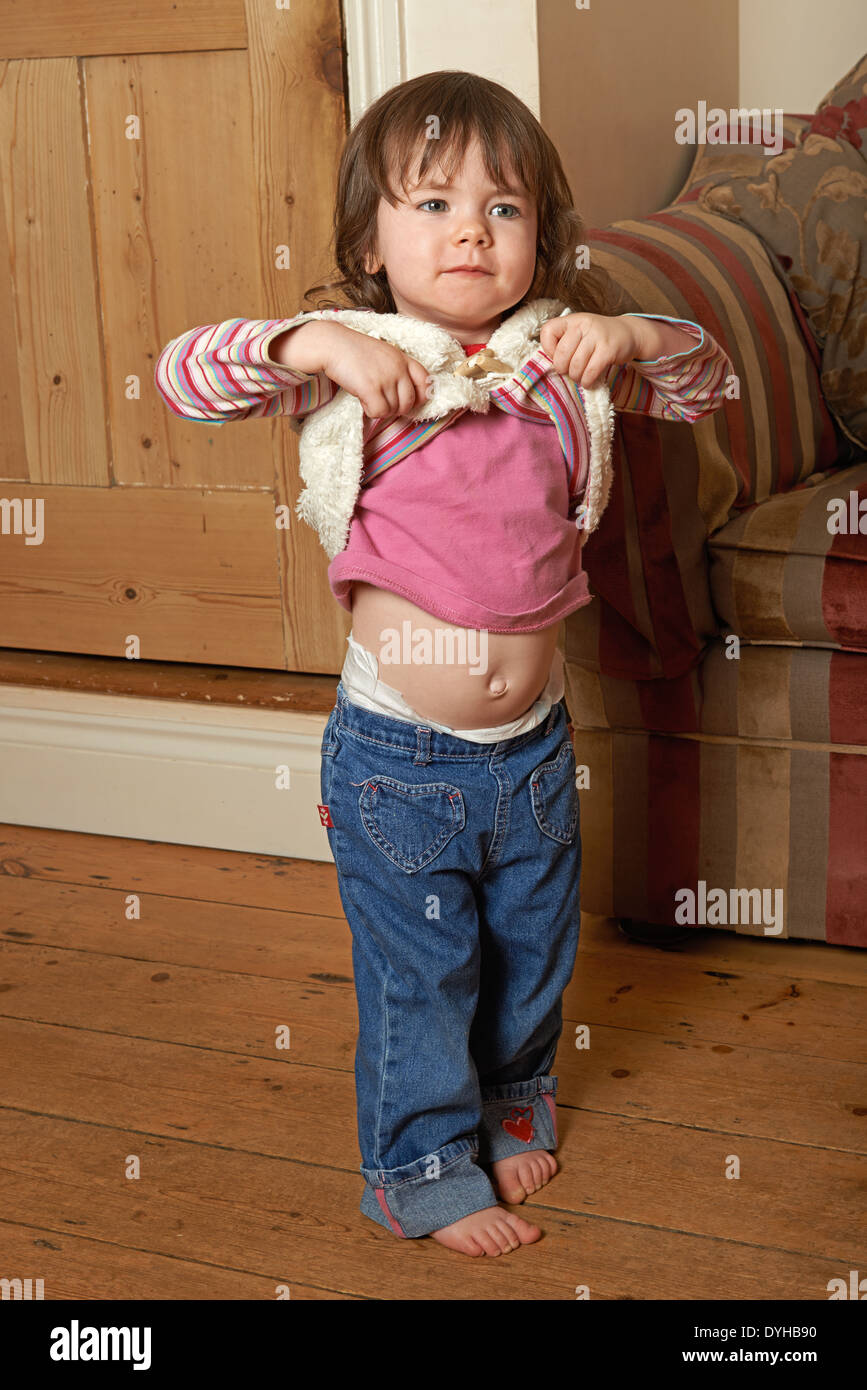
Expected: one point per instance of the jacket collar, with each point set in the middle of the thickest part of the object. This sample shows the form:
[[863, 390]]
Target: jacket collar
[[516, 339], [512, 344], [331, 438]]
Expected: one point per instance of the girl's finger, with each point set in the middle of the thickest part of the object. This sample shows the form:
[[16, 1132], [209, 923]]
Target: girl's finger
[[576, 366], [406, 393], [422, 380], [550, 334], [594, 371], [579, 342]]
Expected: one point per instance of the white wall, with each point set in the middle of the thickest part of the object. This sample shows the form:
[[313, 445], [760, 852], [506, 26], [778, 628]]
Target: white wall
[[790, 51], [793, 51], [391, 40], [495, 38]]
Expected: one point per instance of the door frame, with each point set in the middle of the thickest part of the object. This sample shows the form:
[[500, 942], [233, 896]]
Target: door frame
[[388, 41]]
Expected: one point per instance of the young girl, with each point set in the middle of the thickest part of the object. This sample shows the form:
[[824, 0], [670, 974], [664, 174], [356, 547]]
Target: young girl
[[448, 786]]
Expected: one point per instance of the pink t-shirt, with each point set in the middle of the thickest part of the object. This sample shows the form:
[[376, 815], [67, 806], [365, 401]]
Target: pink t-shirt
[[471, 527]]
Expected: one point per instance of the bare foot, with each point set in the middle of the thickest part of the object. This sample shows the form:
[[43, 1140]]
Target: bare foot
[[514, 1178], [492, 1231]]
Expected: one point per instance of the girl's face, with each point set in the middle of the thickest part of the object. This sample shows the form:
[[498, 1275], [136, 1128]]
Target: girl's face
[[435, 228]]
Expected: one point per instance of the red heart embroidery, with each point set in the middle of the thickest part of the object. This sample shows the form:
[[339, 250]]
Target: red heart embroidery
[[519, 1127]]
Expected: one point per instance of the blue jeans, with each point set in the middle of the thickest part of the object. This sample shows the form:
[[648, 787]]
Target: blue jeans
[[458, 866]]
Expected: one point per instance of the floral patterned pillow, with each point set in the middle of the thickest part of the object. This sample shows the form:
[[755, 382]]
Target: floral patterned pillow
[[729, 158], [842, 114], [809, 207]]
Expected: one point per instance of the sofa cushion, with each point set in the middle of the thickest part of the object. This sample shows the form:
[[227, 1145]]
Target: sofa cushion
[[842, 114], [795, 568], [809, 695], [742, 773], [730, 157], [809, 206], [674, 483]]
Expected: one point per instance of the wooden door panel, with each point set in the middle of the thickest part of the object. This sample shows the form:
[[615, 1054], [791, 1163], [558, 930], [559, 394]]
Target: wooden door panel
[[13, 448], [179, 246], [299, 125], [196, 571], [65, 28], [181, 173], [53, 273]]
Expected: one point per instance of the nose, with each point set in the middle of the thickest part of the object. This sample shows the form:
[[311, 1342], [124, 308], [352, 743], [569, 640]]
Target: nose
[[473, 230]]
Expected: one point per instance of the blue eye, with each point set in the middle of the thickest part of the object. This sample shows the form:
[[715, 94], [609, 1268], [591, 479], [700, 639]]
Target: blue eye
[[515, 210]]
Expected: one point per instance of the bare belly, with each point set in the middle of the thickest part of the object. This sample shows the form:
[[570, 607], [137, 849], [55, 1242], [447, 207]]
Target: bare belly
[[462, 678]]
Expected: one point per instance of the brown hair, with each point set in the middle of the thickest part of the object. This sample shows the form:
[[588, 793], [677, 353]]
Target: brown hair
[[388, 137]]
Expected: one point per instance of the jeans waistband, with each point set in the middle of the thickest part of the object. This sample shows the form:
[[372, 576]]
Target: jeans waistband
[[425, 743]]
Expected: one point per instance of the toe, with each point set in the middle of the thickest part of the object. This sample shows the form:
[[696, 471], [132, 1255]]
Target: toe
[[489, 1243], [508, 1239]]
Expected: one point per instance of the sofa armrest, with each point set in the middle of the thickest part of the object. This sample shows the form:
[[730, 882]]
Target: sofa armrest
[[675, 484]]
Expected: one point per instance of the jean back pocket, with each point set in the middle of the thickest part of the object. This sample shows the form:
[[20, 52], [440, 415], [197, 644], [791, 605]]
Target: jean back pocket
[[411, 824], [555, 795]]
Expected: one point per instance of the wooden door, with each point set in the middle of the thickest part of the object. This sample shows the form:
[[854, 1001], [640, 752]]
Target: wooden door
[[161, 167]]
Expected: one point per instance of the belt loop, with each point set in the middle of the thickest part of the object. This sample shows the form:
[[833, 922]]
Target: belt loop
[[551, 718], [422, 752]]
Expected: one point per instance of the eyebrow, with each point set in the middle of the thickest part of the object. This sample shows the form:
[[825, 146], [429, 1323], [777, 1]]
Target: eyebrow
[[444, 188]]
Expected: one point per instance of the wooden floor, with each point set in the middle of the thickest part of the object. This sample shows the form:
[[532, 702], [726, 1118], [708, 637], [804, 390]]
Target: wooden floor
[[151, 1036]]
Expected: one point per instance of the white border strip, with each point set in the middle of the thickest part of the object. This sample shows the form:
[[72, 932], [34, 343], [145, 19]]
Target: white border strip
[[375, 50], [190, 774]]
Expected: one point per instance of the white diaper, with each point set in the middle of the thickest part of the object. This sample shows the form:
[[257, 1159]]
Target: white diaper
[[360, 680]]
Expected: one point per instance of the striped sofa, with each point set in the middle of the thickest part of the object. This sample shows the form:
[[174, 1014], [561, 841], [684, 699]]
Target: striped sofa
[[718, 685]]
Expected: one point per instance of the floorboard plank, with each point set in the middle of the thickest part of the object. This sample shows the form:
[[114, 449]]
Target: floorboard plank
[[76, 1267], [155, 1035], [678, 996], [664, 1174], [299, 1221]]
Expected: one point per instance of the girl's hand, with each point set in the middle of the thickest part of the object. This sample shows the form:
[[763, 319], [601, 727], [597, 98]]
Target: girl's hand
[[584, 346], [386, 380]]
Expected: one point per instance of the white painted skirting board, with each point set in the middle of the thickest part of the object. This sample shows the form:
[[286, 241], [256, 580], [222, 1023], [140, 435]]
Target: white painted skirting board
[[191, 774]]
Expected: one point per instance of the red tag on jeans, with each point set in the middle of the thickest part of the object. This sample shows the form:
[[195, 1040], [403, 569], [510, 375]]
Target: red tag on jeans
[[325, 815]]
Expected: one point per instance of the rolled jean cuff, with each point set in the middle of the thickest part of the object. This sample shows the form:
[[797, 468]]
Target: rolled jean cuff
[[430, 1193], [517, 1117]]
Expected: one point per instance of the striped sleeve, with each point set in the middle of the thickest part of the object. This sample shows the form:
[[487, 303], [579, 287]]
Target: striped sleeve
[[222, 372], [680, 386]]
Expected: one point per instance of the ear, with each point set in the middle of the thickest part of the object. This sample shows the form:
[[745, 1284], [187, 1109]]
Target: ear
[[371, 262]]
